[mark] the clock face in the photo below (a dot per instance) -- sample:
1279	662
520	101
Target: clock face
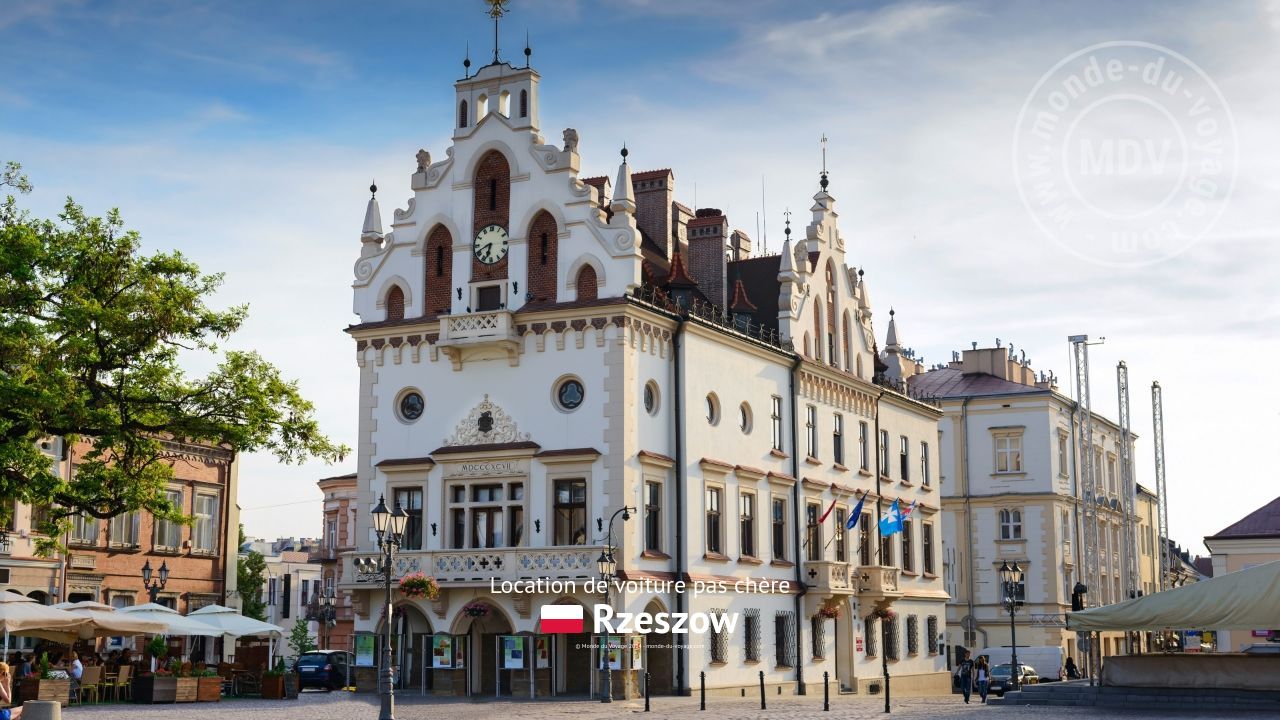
491	244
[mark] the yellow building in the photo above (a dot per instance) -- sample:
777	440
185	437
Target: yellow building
1251	541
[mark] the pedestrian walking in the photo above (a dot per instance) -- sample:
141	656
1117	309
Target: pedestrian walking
983	675
966	677
1073	673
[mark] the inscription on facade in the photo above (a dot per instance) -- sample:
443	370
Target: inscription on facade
486	468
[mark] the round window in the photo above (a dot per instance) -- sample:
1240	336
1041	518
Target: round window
713	409
411	406
744	417
651	398
570	394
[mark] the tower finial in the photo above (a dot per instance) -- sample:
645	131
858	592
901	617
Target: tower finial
624	152
823	176
497	8
373	187
787	231
466	63
528	51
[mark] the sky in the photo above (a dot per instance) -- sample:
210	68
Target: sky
245	135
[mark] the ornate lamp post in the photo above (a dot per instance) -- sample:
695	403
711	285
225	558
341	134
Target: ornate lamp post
608	567
328	614
153	589
389	528
1012	578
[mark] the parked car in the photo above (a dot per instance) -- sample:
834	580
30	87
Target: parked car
326	669
1001	675
1047	661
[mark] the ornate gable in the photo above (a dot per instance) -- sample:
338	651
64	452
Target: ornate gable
486	424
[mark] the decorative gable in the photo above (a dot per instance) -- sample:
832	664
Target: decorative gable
486	424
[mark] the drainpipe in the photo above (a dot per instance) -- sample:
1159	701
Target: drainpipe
677	409
970	579
795	502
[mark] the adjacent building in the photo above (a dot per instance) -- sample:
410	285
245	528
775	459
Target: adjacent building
1250	541
338	537
1012	493
293	582
555	369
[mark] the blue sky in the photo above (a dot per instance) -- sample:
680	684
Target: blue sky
245	135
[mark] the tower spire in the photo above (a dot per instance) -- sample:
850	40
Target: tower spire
823	176
497	8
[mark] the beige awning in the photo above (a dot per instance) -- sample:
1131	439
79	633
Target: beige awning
20	615
1243	600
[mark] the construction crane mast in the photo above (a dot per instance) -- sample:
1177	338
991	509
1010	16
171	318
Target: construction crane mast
1157	442
1088	473
1132	581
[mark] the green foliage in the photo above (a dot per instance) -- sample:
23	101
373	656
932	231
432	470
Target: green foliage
300	639
157	647
91	334
251	573
44	666
278	670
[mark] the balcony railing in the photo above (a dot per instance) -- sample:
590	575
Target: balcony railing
831	577
878	582
478	567
479	334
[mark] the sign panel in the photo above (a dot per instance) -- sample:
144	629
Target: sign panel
364	649
441	651
542	653
513	652
637	652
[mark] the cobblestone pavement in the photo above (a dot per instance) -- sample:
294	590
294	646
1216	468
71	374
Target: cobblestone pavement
323	706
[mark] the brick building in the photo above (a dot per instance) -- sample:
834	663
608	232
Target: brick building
338	537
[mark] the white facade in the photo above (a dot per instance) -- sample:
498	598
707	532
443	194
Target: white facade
291	583
514	407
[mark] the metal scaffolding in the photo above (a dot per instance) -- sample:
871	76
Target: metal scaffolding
1088	473
1157	442
1132	581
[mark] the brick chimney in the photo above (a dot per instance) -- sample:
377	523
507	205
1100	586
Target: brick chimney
655	191
707	263
739	246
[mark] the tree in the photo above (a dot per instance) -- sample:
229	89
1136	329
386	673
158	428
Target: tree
251	574
300	637
91	337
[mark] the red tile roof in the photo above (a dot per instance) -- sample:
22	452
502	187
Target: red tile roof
650	174
678	277
1261	523
741	303
704	221
759	277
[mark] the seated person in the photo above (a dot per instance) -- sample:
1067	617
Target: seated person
6	695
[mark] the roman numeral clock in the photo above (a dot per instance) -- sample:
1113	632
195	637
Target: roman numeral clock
490	245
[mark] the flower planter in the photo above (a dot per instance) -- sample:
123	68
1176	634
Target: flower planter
291	686
186	689
37	689
210	689
272	687
154	689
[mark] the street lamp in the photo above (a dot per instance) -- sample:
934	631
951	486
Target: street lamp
153	589
1012	578
389	527
608	568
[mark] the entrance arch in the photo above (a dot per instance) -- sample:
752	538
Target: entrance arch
659	655
410	633
482	632
573	671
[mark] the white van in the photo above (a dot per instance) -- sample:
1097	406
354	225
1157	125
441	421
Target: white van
1047	661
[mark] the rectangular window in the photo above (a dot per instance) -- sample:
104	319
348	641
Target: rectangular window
841	534
653	516
410	501
779	529
886	551
864	540
719	640
864	448
715	531
837	438
1063	463
904	458
331	534
204	534
925	476
931	628
784	638
891	637
1111	475
818	630
271	591
124	530
811	430
1008	454
926	546
884	453
570	512
751	634
775	419
1010	524
813	531
869	634
84	530
746	524
908	546
913	635
168	534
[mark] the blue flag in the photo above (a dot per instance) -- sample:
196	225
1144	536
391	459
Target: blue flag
856	515
892	521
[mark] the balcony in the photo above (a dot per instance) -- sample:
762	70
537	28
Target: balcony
878	583
826	576
475	568
479	336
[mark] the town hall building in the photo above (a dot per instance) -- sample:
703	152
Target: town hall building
555	368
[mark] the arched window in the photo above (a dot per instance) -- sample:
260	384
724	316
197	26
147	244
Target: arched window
858	360
504	104
482	107
438	272
833	340
587	283
848	344
1010	524
462	114
817	330
524	103
491	205
395	303
541	280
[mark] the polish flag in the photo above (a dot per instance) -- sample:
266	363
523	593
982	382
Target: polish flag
561	618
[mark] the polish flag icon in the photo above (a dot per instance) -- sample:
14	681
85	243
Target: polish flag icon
561	618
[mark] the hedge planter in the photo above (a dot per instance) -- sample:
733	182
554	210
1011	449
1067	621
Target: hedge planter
272	687
186	689
291	686
37	689
155	689
210	689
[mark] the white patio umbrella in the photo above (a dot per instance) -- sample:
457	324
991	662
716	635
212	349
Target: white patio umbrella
175	623
22	615
104	621
231	623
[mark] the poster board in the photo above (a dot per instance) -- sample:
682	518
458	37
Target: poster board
542	652
637	652
365	642
514	652
441	651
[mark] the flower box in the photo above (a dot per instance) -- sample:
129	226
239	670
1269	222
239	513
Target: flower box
37	689
186	689
272	687
154	689
210	689
291	686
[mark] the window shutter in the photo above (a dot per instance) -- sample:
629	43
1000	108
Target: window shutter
285	595
931	627
752	630
913	635
869	634
719	640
